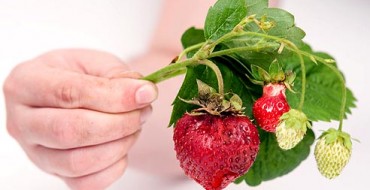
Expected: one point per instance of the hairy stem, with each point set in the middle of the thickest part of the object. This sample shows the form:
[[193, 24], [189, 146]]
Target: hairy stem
[[169, 71], [344, 95], [303, 90], [241, 49], [189, 49], [218, 73]]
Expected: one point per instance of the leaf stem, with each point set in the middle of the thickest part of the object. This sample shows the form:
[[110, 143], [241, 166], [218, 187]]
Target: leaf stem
[[170, 71], [344, 95], [240, 49], [190, 48], [303, 90], [218, 73]]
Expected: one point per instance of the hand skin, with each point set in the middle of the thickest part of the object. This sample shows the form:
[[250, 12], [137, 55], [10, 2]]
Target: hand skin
[[76, 113]]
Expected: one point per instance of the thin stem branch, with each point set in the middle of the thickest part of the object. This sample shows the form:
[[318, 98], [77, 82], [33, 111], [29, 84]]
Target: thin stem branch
[[344, 95], [189, 49], [303, 76], [240, 49], [169, 71], [218, 73]]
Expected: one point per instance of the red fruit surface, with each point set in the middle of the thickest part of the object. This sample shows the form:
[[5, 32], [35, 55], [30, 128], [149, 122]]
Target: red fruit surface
[[268, 109], [215, 150]]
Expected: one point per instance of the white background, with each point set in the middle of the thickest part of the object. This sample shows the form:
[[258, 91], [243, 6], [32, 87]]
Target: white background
[[31, 27]]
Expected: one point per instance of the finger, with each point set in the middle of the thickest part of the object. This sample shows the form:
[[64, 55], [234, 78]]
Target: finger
[[74, 90], [65, 129], [88, 61], [100, 180], [126, 74], [82, 161]]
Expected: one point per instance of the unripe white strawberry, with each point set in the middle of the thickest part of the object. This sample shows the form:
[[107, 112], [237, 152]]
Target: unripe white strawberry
[[291, 129], [332, 152]]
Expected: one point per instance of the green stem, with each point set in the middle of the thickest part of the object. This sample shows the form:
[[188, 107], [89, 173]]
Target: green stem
[[303, 90], [170, 71], [190, 48], [218, 73], [240, 49], [344, 95], [315, 57]]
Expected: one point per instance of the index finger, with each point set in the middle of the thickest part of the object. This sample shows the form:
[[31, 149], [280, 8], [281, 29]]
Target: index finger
[[45, 86], [74, 90]]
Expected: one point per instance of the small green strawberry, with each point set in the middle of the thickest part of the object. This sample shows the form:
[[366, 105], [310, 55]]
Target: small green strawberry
[[332, 152], [291, 129]]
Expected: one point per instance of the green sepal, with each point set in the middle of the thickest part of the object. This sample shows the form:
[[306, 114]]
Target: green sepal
[[276, 71], [236, 101], [332, 135], [204, 89], [260, 74]]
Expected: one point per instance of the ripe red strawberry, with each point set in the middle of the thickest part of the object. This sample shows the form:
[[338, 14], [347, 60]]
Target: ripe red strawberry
[[214, 150], [268, 109]]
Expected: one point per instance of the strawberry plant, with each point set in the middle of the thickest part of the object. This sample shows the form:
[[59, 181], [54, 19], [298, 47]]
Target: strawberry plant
[[246, 44]]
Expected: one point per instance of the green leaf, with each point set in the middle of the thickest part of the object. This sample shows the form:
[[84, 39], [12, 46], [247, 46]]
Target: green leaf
[[192, 36], [223, 17], [255, 6], [272, 161], [323, 90], [284, 25]]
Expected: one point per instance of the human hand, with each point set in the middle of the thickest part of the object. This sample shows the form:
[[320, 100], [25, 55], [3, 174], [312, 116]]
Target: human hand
[[76, 113]]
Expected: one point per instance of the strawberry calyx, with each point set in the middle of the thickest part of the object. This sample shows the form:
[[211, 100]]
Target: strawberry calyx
[[214, 103], [275, 75], [332, 135], [291, 129]]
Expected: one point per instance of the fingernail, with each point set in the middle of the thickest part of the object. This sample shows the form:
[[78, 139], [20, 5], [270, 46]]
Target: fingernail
[[146, 94], [144, 115]]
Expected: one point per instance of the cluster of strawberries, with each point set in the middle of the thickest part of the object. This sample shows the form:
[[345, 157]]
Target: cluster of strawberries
[[216, 143]]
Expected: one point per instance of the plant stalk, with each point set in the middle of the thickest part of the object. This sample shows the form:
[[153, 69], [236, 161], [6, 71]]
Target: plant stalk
[[218, 73], [169, 71]]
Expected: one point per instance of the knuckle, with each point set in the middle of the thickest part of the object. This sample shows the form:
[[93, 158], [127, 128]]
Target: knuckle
[[68, 94]]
